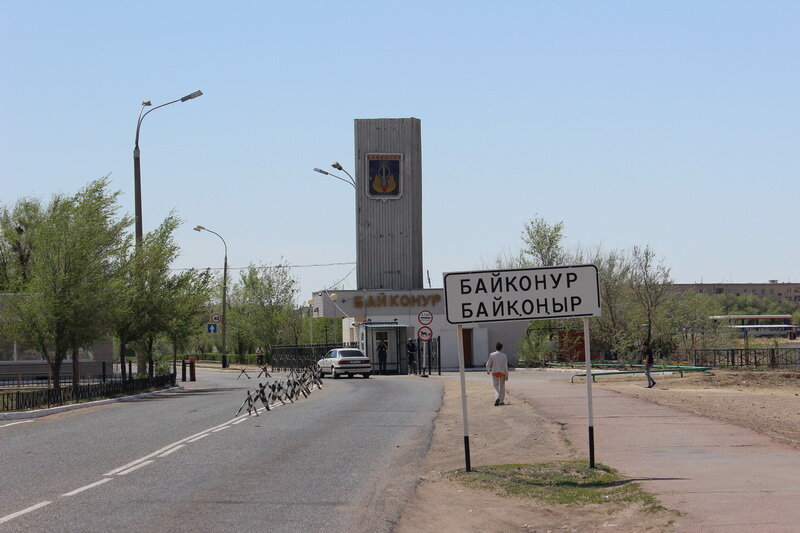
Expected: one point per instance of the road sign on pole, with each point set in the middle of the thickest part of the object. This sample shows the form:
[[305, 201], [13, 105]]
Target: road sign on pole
[[425, 317], [424, 333], [216, 318], [212, 328], [522, 294]]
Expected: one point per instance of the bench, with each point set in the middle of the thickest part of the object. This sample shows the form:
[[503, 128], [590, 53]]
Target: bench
[[679, 369]]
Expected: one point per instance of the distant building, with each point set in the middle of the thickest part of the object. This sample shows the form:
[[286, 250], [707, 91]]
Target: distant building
[[760, 325], [773, 289]]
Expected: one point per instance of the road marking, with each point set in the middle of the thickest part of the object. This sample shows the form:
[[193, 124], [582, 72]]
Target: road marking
[[12, 516], [204, 435], [137, 467], [220, 429], [175, 449], [239, 421], [87, 487], [14, 423]]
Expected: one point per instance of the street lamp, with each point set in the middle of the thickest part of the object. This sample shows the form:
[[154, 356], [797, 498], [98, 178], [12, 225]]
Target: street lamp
[[224, 287], [137, 176], [350, 181]]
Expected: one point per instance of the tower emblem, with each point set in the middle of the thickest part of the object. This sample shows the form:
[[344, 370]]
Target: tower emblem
[[383, 178]]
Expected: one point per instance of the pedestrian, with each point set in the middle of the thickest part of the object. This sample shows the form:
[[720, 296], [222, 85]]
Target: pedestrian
[[647, 358], [497, 366], [411, 353], [381, 357]]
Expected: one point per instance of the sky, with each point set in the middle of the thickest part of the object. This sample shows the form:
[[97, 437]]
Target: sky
[[668, 124]]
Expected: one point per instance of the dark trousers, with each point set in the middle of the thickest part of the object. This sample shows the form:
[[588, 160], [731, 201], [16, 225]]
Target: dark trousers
[[382, 364]]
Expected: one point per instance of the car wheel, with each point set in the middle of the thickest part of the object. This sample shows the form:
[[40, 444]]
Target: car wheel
[[365, 376], [349, 375]]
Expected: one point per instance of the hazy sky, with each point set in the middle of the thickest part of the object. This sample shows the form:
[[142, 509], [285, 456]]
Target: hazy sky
[[673, 124]]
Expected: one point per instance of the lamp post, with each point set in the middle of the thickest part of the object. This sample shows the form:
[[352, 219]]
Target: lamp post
[[224, 287], [137, 171]]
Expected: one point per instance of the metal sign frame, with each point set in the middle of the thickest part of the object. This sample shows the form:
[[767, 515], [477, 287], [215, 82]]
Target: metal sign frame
[[522, 294]]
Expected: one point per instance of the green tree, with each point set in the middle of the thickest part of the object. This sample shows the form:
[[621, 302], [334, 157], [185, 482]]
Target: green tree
[[70, 285], [651, 287], [153, 293], [16, 233], [190, 292], [262, 310]]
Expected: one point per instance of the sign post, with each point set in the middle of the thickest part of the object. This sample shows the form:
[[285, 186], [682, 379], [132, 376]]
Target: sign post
[[523, 294], [460, 337]]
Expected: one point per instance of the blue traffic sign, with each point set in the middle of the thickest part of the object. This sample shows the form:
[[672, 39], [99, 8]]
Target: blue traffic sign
[[212, 328]]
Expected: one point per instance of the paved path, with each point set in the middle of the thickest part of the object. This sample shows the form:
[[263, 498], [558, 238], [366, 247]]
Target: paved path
[[723, 477]]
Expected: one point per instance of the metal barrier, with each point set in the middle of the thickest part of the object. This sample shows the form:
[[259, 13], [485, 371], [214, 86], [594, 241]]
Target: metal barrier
[[43, 398], [295, 385]]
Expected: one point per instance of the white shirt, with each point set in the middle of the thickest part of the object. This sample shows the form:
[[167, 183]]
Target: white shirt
[[497, 363]]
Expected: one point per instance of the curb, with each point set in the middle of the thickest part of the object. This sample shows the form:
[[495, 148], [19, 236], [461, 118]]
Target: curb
[[38, 413]]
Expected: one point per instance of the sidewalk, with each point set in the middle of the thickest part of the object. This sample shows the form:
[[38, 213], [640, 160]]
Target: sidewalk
[[722, 477]]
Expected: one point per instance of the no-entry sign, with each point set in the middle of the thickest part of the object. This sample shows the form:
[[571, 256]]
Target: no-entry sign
[[522, 294]]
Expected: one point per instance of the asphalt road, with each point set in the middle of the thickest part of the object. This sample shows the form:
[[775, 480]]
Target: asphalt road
[[343, 459]]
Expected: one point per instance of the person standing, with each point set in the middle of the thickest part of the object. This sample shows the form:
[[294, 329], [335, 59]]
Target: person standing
[[647, 358], [381, 357], [411, 353], [497, 366]]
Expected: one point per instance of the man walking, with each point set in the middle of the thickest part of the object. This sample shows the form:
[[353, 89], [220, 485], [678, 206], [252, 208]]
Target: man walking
[[497, 366]]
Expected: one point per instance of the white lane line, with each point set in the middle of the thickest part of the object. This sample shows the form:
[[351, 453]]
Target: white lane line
[[220, 429], [137, 467], [14, 423], [239, 421], [87, 487], [12, 516], [190, 438], [172, 450]]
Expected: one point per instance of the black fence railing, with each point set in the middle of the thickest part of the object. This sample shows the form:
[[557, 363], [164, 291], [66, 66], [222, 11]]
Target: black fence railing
[[42, 398], [293, 356], [788, 358]]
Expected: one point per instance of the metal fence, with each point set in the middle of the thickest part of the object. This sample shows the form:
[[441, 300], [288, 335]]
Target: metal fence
[[42, 398], [294, 356], [788, 358]]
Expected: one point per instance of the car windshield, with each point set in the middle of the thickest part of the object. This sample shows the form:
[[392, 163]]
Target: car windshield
[[350, 353]]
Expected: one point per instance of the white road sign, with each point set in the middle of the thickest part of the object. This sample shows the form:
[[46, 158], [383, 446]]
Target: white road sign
[[522, 294]]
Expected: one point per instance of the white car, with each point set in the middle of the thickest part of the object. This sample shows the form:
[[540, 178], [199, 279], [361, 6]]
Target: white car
[[345, 361]]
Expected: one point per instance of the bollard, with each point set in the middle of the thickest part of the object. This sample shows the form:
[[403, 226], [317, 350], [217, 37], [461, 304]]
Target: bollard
[[192, 375], [130, 370], [183, 369], [104, 371], [224, 361]]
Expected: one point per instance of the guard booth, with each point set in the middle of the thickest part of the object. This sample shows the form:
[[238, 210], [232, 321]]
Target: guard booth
[[394, 335]]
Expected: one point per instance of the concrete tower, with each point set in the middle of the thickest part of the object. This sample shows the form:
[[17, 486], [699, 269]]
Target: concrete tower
[[389, 203]]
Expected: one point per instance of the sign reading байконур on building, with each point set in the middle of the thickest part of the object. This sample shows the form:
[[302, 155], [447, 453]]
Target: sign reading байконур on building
[[522, 294]]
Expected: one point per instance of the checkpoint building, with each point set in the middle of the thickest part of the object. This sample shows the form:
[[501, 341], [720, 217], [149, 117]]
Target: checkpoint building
[[390, 302]]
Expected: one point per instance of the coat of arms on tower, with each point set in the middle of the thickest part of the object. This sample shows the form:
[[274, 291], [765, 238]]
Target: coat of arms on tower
[[383, 176]]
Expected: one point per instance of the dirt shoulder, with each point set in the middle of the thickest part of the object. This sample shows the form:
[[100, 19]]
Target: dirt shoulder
[[767, 402], [513, 433]]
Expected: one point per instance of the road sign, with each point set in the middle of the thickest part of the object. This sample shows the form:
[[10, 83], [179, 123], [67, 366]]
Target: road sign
[[216, 318], [522, 294], [212, 328], [425, 317], [424, 333]]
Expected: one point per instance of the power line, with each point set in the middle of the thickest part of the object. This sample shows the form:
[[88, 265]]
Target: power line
[[266, 267]]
